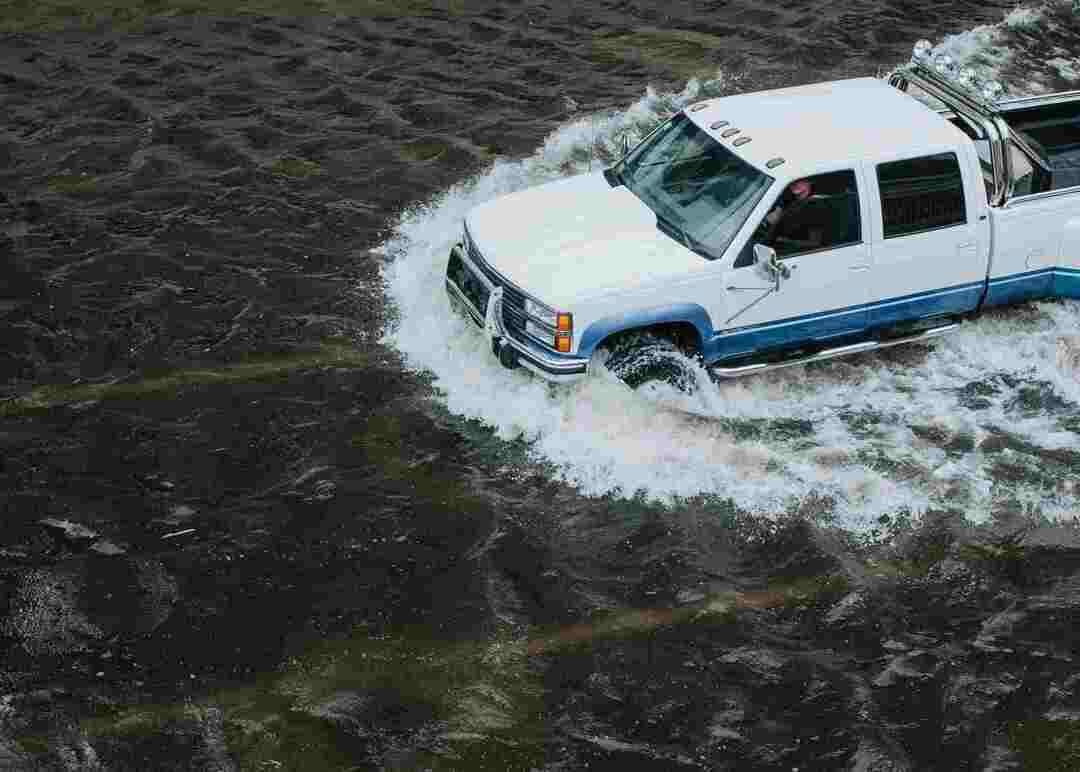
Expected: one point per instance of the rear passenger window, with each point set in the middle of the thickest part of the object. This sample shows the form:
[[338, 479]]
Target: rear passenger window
[[921, 194]]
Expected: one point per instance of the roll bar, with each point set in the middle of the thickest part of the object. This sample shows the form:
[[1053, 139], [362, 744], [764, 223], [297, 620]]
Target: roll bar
[[976, 111]]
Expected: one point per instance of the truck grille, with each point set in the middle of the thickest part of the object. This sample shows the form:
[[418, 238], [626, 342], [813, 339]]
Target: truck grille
[[513, 306], [470, 286]]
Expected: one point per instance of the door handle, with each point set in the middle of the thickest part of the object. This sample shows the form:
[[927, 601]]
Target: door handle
[[966, 245], [861, 267]]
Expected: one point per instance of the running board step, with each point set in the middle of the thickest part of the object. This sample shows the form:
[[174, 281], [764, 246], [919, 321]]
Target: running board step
[[832, 353]]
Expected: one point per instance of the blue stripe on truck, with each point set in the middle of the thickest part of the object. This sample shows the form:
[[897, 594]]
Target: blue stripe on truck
[[822, 326], [1018, 287], [1014, 288], [1066, 283]]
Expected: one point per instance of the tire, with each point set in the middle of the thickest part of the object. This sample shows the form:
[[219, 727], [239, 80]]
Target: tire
[[642, 359]]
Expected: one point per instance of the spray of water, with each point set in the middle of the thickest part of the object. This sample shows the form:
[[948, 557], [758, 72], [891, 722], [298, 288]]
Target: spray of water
[[1031, 50]]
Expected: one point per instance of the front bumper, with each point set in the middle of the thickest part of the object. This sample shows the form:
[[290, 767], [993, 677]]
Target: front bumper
[[510, 350]]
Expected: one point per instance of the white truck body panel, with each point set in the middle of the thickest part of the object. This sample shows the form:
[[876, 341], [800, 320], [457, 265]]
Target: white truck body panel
[[935, 271], [824, 124], [577, 238], [589, 246]]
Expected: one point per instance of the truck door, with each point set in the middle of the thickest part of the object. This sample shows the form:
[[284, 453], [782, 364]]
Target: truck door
[[929, 241], [1027, 235], [822, 242]]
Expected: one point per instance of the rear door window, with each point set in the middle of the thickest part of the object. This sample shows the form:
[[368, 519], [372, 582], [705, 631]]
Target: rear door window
[[921, 194]]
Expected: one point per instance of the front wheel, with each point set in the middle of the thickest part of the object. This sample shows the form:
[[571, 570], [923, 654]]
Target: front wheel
[[642, 359]]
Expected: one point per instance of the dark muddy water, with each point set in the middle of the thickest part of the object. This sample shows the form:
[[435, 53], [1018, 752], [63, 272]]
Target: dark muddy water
[[240, 530]]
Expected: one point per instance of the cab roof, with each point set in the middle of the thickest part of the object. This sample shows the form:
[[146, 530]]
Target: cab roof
[[812, 126]]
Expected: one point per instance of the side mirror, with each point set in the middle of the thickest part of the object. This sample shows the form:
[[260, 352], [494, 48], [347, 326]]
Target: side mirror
[[768, 265]]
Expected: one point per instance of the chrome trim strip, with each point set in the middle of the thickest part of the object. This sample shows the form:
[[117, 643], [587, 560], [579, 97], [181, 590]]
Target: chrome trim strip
[[1020, 277], [832, 353], [999, 150], [952, 291], [844, 312], [554, 377], [1024, 102], [463, 254], [760, 328], [469, 307], [549, 365], [1071, 190]]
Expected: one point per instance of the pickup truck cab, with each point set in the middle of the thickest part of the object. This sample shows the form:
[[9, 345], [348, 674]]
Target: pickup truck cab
[[774, 228]]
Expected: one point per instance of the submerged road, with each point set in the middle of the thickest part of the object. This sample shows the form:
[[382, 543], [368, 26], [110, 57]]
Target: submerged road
[[254, 518]]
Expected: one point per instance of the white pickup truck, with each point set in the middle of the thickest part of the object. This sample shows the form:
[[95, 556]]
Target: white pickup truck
[[780, 227]]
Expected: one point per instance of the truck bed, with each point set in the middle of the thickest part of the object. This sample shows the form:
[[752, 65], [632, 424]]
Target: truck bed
[[1054, 131]]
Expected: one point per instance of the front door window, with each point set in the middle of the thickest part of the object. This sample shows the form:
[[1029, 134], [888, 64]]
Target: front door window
[[812, 214]]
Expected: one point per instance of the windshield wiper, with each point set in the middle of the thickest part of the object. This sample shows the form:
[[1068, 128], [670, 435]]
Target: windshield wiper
[[674, 161], [668, 227]]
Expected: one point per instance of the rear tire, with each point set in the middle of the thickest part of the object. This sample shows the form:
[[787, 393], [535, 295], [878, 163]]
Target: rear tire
[[640, 359]]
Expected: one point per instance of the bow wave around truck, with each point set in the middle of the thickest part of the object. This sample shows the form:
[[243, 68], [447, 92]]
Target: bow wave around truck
[[982, 421]]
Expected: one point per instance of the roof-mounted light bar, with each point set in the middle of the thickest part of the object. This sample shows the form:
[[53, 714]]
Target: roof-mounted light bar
[[942, 64], [976, 106]]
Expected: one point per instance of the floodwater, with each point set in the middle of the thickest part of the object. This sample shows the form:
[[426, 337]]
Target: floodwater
[[268, 504]]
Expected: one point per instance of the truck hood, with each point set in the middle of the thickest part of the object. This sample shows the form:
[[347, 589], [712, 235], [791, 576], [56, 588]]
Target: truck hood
[[576, 238]]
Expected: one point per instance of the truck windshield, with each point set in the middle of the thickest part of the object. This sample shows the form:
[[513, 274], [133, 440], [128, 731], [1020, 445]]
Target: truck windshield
[[701, 192]]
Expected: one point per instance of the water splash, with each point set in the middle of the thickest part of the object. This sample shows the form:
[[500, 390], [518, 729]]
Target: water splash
[[972, 423], [1031, 50]]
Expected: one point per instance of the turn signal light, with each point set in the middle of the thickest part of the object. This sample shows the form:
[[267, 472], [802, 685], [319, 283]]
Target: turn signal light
[[564, 332]]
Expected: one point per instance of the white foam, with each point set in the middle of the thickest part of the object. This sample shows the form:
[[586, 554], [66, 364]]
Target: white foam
[[605, 438], [1023, 16], [1016, 44]]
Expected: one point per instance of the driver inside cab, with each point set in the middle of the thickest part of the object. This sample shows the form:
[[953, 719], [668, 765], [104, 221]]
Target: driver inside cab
[[783, 228]]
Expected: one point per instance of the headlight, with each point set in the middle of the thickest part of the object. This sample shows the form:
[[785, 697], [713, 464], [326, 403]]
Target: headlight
[[556, 328], [541, 312], [538, 330]]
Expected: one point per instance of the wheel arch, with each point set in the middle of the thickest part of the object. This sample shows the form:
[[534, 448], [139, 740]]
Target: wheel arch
[[688, 324]]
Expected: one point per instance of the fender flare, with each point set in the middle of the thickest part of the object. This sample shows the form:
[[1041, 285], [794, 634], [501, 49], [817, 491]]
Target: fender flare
[[684, 313]]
